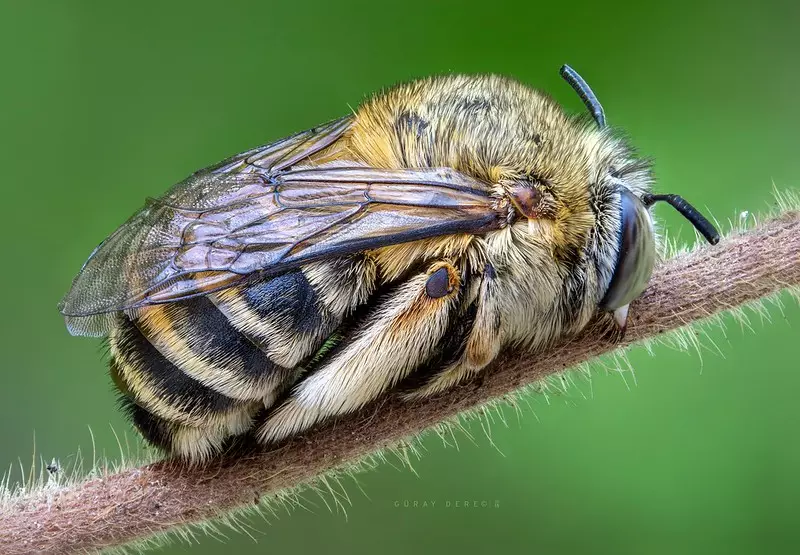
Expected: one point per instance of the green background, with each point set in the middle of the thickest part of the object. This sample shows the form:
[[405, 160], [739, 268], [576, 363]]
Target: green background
[[103, 104]]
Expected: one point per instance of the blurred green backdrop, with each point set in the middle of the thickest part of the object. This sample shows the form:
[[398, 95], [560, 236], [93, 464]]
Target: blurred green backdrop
[[103, 104]]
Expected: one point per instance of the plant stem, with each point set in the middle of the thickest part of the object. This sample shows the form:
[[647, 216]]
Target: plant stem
[[139, 502]]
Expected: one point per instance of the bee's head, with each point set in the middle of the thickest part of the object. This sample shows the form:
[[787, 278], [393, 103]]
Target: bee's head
[[587, 200], [635, 256], [635, 250]]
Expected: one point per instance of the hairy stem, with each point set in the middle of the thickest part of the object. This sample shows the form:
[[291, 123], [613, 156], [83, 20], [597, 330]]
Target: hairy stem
[[137, 503]]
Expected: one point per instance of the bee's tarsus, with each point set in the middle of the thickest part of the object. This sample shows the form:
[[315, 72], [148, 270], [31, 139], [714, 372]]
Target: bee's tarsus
[[700, 223], [583, 89]]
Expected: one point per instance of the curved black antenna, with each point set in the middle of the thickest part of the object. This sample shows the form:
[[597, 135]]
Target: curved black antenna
[[689, 212], [585, 92]]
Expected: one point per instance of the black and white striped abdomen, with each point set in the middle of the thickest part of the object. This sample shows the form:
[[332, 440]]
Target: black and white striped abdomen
[[195, 372]]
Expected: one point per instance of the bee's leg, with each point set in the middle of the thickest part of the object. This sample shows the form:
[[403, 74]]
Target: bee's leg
[[398, 334], [481, 345]]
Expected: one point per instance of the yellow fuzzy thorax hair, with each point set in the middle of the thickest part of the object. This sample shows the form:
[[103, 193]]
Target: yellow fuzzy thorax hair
[[497, 130]]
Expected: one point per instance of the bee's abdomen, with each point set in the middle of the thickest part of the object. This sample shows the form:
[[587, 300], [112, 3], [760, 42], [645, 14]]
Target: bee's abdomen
[[197, 338], [195, 372], [160, 385], [167, 405]]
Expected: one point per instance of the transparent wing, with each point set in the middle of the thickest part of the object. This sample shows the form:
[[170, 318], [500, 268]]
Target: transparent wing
[[255, 213]]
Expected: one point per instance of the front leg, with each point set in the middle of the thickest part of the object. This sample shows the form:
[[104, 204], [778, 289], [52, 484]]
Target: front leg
[[398, 334]]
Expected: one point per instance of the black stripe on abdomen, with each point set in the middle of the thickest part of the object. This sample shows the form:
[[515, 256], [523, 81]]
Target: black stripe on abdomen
[[154, 429], [282, 315], [288, 299], [195, 336], [159, 385]]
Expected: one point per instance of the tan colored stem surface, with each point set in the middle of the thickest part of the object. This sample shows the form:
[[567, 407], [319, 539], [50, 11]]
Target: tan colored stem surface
[[139, 502]]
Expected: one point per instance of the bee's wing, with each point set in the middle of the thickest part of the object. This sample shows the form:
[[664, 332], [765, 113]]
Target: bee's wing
[[236, 219]]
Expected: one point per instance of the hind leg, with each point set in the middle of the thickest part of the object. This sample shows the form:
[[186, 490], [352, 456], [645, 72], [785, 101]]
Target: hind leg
[[397, 335]]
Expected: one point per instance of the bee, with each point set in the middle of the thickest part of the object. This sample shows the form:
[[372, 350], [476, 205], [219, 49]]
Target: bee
[[400, 248]]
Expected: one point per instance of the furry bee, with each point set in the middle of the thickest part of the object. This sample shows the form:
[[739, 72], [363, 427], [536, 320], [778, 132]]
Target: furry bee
[[401, 247]]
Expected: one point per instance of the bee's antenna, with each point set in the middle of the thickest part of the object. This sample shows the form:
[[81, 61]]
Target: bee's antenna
[[689, 212], [585, 92]]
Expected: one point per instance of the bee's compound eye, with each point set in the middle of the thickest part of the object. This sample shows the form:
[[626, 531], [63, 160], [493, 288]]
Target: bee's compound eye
[[636, 254], [438, 284]]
